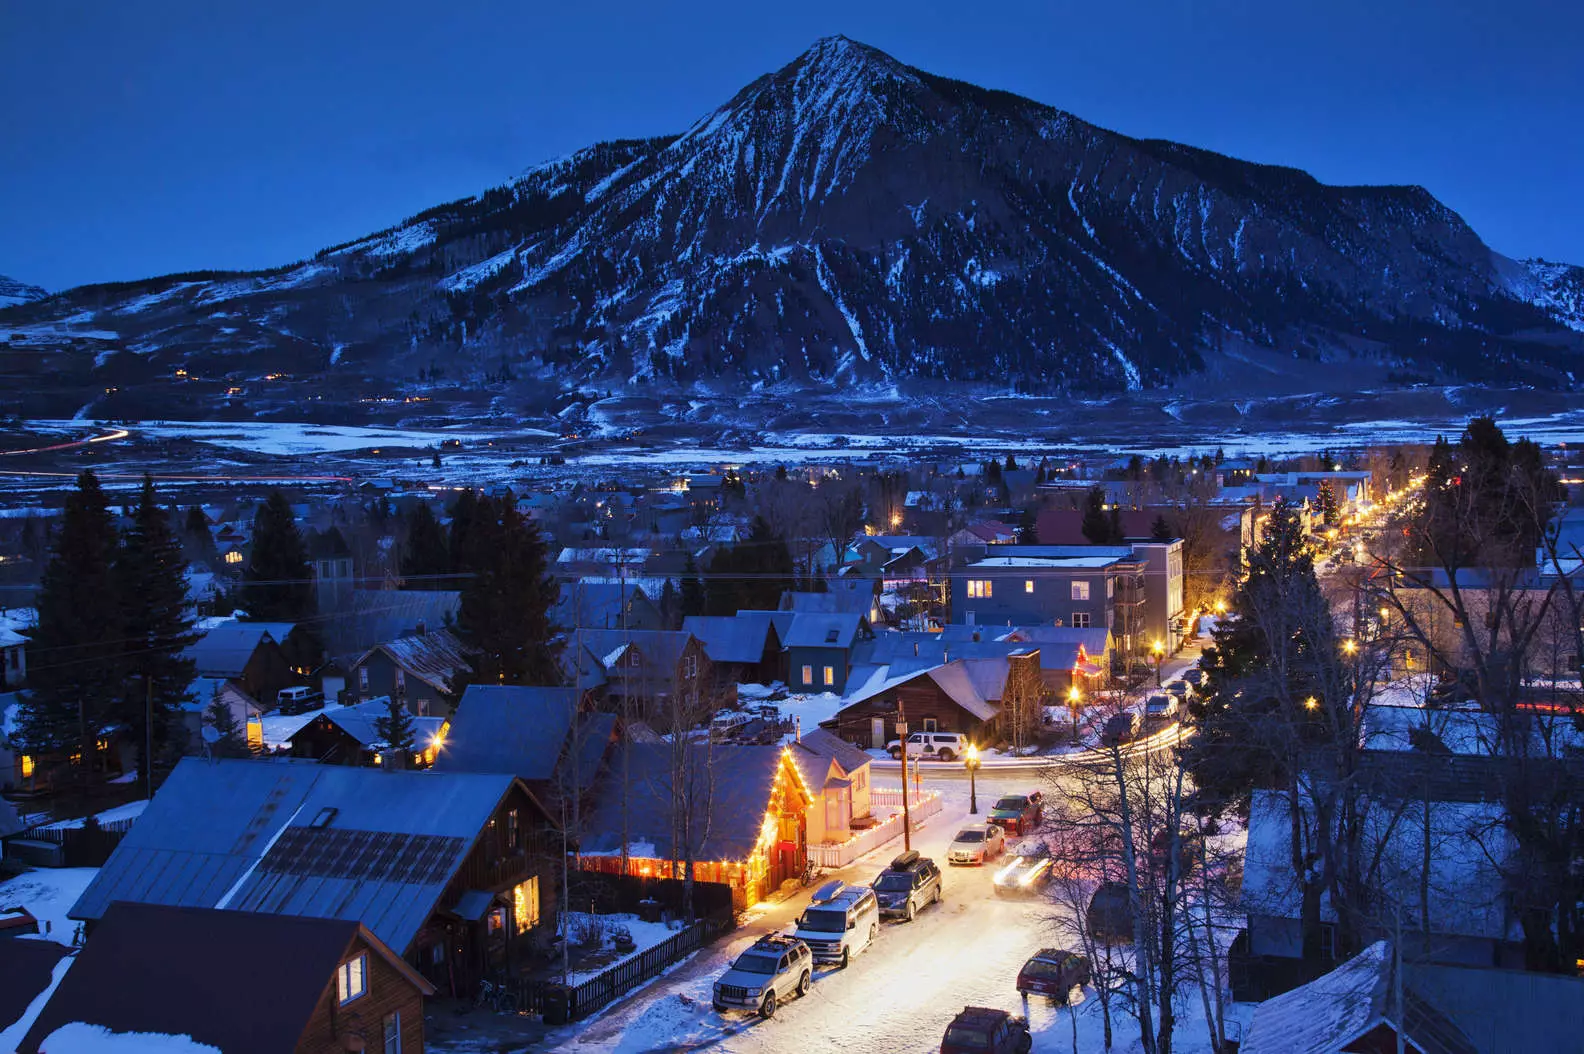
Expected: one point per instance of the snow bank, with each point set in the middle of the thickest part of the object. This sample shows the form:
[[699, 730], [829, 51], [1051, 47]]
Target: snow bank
[[49, 894], [78, 1038]]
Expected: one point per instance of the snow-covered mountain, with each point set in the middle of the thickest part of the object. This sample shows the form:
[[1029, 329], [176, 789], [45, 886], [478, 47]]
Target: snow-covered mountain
[[13, 292], [848, 218]]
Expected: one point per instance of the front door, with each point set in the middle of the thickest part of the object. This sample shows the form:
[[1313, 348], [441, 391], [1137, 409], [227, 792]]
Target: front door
[[877, 736]]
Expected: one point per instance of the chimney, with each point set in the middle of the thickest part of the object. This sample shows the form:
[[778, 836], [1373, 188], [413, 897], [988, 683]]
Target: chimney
[[797, 727], [915, 649], [422, 629]]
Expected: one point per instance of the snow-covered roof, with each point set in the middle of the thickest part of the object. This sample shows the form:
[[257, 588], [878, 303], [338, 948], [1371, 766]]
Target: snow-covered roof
[[1057, 562]]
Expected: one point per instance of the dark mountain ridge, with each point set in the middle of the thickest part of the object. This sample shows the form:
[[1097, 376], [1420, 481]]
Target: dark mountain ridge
[[849, 219]]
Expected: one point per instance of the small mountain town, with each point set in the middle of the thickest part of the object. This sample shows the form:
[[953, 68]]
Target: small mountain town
[[857, 559]]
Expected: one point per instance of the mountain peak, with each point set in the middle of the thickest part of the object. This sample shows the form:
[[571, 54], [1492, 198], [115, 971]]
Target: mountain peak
[[13, 292]]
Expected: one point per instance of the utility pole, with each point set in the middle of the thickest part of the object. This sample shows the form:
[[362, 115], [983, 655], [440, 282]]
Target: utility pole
[[148, 733], [907, 820]]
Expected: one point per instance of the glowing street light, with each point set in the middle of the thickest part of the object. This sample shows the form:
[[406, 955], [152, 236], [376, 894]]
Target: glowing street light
[[1350, 646], [1311, 703], [1158, 649], [971, 763], [1074, 706]]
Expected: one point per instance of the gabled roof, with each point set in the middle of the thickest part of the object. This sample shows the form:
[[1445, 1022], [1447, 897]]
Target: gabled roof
[[828, 744], [434, 657], [177, 971], [279, 838], [854, 596], [502, 728], [1096, 641], [1330, 1013], [596, 604], [358, 722], [728, 786], [812, 630], [378, 615], [224, 651], [660, 648], [952, 678], [739, 638]]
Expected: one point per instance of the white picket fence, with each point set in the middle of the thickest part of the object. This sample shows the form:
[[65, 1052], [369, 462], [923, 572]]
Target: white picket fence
[[920, 806]]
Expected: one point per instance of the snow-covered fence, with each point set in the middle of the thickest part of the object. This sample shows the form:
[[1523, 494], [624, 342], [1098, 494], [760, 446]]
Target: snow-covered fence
[[840, 854]]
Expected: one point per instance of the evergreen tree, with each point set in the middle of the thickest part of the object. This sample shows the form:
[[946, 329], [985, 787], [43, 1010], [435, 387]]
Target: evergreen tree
[[395, 729], [1028, 526], [462, 543], [1011, 464], [277, 583], [75, 650], [750, 575], [1160, 530], [1095, 525], [197, 538], [425, 558], [692, 589], [1114, 526], [158, 625], [670, 606], [229, 741], [504, 614]]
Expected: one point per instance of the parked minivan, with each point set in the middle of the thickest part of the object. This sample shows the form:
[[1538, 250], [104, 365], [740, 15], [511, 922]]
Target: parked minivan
[[839, 921], [298, 700], [942, 746]]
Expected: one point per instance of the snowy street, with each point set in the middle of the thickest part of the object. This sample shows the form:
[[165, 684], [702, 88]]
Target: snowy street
[[897, 996]]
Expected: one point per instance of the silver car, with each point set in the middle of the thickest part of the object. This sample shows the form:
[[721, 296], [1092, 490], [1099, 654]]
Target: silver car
[[765, 975]]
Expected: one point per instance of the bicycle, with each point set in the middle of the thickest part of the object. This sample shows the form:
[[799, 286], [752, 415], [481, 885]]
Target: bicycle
[[494, 995], [812, 873]]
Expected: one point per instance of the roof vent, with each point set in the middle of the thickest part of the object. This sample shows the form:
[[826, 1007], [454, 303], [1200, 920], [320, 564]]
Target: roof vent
[[831, 636], [323, 818]]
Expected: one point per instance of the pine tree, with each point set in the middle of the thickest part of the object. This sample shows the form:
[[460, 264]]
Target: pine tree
[[395, 729], [1326, 503], [229, 741], [1160, 530], [75, 650], [462, 543], [197, 538], [158, 625], [504, 614], [1096, 526], [692, 589], [1028, 526], [425, 558], [670, 606], [277, 582]]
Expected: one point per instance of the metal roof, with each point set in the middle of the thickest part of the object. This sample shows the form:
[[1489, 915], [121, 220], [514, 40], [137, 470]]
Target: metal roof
[[224, 651], [505, 728], [241, 834], [358, 722], [815, 629], [433, 657], [849, 757], [739, 638]]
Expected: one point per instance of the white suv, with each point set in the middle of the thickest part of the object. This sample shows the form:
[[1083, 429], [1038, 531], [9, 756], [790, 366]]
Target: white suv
[[840, 920], [942, 746]]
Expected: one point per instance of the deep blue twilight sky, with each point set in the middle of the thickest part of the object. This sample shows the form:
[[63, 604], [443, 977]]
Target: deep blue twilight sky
[[144, 138]]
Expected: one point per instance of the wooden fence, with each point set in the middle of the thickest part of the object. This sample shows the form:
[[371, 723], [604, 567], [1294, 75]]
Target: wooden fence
[[839, 854], [68, 846]]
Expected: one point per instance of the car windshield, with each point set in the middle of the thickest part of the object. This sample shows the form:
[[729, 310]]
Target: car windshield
[[970, 835], [756, 962], [1032, 849], [894, 882], [968, 1038], [1010, 804], [1042, 968], [823, 921]]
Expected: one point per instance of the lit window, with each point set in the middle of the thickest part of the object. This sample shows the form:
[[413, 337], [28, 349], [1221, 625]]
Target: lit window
[[233, 557], [979, 589], [525, 905], [808, 675], [393, 1033], [511, 829], [352, 979], [1080, 620], [689, 666], [362, 678], [830, 676], [1080, 590], [1028, 585], [27, 766]]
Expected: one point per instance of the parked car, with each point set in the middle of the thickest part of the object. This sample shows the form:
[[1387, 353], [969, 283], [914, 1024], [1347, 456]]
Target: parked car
[[766, 975], [1110, 913], [1018, 813], [942, 746], [977, 844], [298, 700], [1053, 972], [1161, 707], [1123, 728], [1195, 677], [1179, 687], [982, 1030], [839, 921], [909, 885], [1028, 869]]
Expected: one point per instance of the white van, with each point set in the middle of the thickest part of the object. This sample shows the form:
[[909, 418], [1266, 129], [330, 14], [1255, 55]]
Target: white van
[[839, 921]]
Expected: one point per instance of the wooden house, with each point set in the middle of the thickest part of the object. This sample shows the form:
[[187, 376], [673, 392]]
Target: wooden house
[[641, 669], [740, 813], [249, 653], [332, 985], [836, 774], [418, 669], [457, 873], [348, 735], [743, 648], [819, 649], [965, 695]]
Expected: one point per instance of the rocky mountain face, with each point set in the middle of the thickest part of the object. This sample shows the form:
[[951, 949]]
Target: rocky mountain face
[[13, 292], [851, 219]]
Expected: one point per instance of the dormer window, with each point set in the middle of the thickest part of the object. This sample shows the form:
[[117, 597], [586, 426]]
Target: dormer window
[[323, 818], [831, 636]]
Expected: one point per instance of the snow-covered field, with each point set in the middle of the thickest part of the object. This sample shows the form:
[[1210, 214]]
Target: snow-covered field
[[49, 894]]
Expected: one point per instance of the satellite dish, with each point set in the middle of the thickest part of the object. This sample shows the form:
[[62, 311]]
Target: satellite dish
[[210, 734]]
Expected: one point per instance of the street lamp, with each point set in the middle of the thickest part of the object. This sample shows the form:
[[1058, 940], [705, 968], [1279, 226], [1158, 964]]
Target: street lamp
[[971, 763], [1074, 704], [1158, 649]]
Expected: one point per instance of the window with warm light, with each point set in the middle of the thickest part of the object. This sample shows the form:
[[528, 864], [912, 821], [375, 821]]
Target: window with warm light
[[352, 979], [830, 676], [808, 675], [233, 557], [1080, 590], [525, 905], [979, 589], [27, 766], [1028, 585]]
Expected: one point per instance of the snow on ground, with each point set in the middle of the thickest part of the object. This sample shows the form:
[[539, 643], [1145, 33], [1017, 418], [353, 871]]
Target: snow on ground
[[645, 935], [129, 811], [809, 709], [287, 437], [78, 1038], [49, 894]]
